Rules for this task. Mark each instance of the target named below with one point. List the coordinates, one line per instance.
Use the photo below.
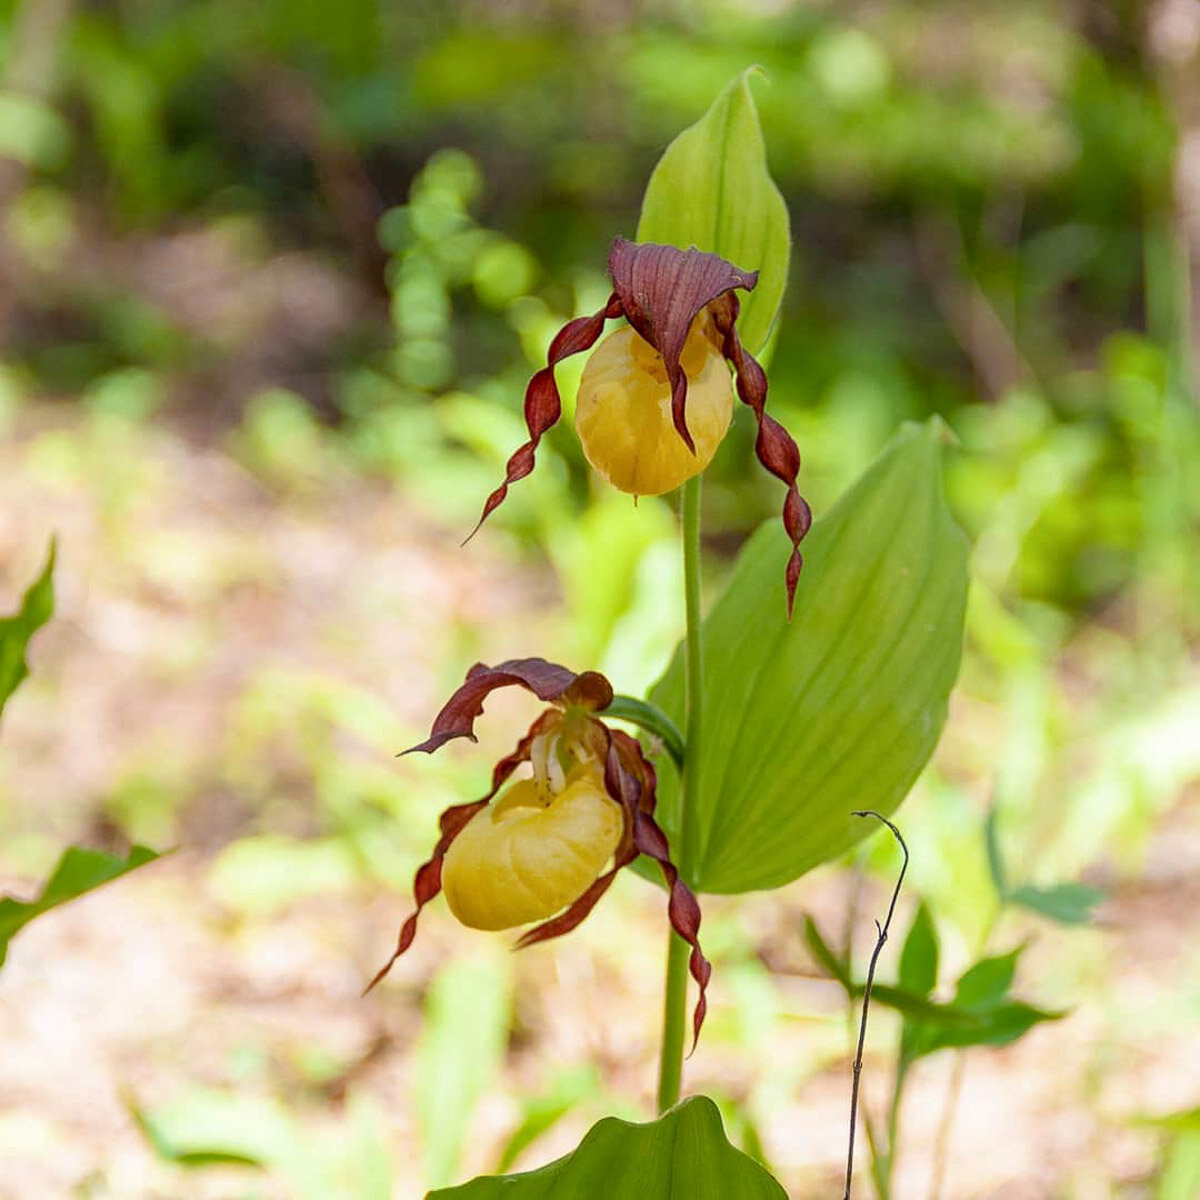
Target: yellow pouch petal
(623, 411)
(520, 860)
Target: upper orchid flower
(540, 851)
(656, 397)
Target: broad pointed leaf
(711, 190)
(838, 710)
(79, 870)
(684, 1153)
(15, 631)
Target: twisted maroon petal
(629, 775)
(574, 915)
(543, 405)
(427, 882)
(661, 290)
(774, 445)
(546, 680)
(683, 909)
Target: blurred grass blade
(840, 709)
(995, 858)
(465, 1033)
(542, 1112)
(15, 631)
(684, 1153)
(79, 870)
(711, 190)
(165, 1144)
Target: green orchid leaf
(711, 190)
(15, 631)
(919, 958)
(824, 955)
(838, 710)
(684, 1153)
(78, 871)
(1066, 903)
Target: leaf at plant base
(684, 1153)
(15, 631)
(79, 870)
(838, 710)
(711, 190)
(462, 1044)
(1066, 903)
(919, 958)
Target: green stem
(652, 719)
(670, 1070)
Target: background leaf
(824, 954)
(986, 983)
(683, 1153)
(711, 189)
(79, 870)
(542, 1112)
(1066, 903)
(996, 1027)
(995, 857)
(919, 958)
(15, 631)
(841, 708)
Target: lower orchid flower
(548, 848)
(656, 397)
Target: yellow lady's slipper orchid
(664, 372)
(542, 851)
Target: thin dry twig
(862, 1029)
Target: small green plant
(79, 870)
